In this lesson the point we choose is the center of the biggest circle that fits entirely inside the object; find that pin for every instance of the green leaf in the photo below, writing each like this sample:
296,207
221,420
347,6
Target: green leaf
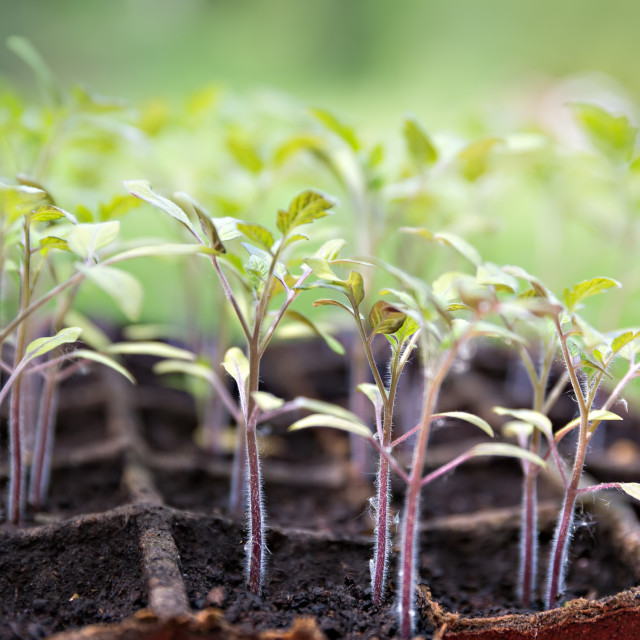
142,189
372,392
489,274
534,418
623,340
420,147
385,318
596,415
332,343
330,250
195,369
465,249
355,285
19,200
587,288
150,348
485,329
105,360
614,136
467,417
324,420
190,205
118,206
40,346
257,233
305,208
325,302
160,250
52,242
32,58
322,269
474,159
85,239
122,287
332,123
328,408
245,154
237,366
506,450
267,401
48,213
631,488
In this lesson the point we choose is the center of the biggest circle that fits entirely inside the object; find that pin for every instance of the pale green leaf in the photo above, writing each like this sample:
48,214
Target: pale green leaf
195,369
105,360
587,288
192,206
534,418
142,189
324,420
322,269
332,123
420,146
319,406
244,153
474,159
372,392
355,285
257,233
492,275
85,239
467,417
305,208
48,213
613,135
330,249
150,348
506,450
52,242
596,415
623,340
124,288
267,401
19,200
237,366
40,346
631,488
160,250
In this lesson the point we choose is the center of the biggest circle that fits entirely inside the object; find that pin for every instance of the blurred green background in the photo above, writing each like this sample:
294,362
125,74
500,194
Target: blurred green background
466,69
447,61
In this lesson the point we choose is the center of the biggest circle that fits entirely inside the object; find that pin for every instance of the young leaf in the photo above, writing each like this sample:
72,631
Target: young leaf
355,285
372,392
492,275
121,286
596,415
305,208
85,239
330,249
142,189
257,233
237,366
245,154
150,348
332,123
19,200
196,369
48,213
40,346
506,450
160,250
324,420
385,318
321,268
189,204
623,340
105,360
631,488
52,242
267,401
420,147
587,288
612,135
310,404
534,418
474,159
467,417
325,302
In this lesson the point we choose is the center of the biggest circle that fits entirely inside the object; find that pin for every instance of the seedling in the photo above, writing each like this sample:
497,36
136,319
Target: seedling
263,276
441,338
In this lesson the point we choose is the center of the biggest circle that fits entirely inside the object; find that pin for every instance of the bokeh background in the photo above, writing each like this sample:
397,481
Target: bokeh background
447,61
466,70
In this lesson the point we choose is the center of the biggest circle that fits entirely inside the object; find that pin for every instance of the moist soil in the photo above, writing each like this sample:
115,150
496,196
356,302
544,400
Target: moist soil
158,522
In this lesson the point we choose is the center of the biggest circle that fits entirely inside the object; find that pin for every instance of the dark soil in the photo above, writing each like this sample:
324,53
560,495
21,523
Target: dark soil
471,571
68,575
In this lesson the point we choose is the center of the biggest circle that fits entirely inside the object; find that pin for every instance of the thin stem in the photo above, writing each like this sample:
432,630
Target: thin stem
229,295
